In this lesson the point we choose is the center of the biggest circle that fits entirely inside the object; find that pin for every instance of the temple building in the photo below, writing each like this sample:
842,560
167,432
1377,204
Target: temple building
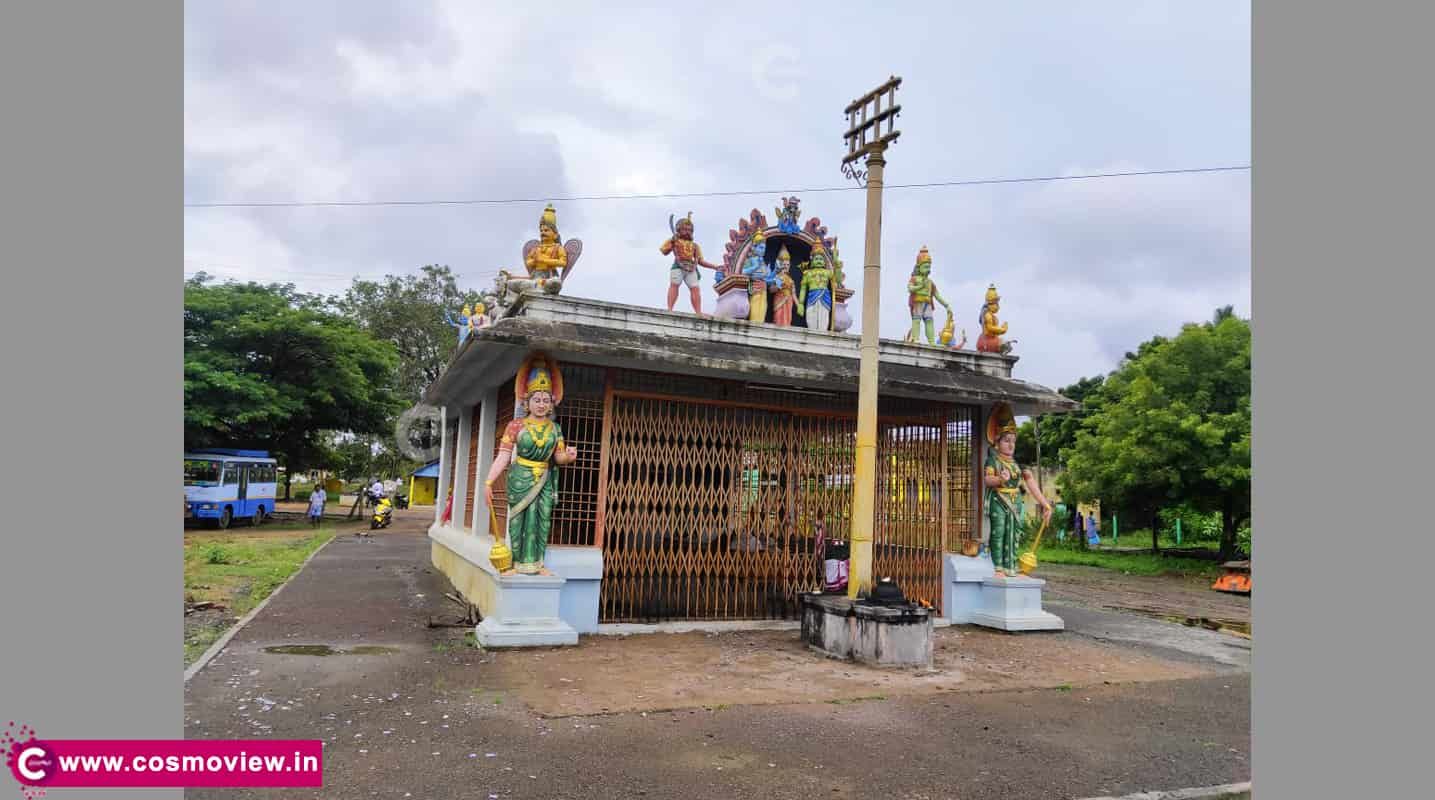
710,451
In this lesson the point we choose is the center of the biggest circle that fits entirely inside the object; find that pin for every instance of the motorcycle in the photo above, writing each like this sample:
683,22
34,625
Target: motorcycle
383,515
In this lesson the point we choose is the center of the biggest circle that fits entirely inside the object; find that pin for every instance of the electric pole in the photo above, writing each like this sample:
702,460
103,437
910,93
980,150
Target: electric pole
865,140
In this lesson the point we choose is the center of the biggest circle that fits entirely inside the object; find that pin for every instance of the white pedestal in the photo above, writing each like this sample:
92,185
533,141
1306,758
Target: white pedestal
962,578
526,614
1013,603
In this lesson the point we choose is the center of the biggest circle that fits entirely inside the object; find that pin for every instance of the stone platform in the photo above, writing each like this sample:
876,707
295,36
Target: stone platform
526,614
973,594
1013,603
899,636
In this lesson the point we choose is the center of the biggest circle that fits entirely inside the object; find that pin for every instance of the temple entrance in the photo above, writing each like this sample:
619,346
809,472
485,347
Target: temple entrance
710,507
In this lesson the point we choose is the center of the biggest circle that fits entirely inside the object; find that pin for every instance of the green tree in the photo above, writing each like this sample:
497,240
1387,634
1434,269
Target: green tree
408,312
1057,431
268,367
1173,424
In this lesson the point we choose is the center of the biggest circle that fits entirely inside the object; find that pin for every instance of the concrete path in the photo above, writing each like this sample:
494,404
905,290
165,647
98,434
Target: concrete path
411,711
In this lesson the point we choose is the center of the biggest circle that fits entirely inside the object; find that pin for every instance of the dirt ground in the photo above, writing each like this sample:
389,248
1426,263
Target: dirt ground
1168,597
656,672
409,710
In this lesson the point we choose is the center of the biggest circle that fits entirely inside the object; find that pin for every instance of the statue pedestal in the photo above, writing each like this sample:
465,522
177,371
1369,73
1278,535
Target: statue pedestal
841,317
962,578
1013,603
525,613
732,302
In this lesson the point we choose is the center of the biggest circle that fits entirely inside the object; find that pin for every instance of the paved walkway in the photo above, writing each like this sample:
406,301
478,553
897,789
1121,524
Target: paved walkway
415,712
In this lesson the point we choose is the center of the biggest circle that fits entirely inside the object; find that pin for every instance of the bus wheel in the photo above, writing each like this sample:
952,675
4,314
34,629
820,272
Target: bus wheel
225,517
258,516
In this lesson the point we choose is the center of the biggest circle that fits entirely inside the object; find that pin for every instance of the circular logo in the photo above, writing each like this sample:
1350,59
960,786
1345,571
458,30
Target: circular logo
417,433
34,763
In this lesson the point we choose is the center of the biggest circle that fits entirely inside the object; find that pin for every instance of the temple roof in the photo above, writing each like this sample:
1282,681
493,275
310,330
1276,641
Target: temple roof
617,335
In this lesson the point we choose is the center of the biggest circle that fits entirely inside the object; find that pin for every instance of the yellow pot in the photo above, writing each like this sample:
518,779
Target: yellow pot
500,556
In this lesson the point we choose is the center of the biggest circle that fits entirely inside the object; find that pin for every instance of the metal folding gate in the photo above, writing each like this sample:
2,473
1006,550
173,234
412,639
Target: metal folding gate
708,506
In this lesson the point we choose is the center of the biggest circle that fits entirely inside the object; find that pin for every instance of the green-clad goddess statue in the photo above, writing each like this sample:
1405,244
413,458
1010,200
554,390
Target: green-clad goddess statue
1004,479
533,446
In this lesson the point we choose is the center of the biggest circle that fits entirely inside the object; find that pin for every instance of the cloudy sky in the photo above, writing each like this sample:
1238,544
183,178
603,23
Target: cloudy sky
438,100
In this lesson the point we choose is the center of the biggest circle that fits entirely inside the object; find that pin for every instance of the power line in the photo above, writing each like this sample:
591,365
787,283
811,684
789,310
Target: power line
207,267
676,195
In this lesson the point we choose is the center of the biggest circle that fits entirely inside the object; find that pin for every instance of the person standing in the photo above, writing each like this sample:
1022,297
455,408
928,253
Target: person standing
1093,537
316,505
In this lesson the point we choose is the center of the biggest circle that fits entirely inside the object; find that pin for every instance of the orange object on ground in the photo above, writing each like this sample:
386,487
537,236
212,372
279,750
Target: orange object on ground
1237,579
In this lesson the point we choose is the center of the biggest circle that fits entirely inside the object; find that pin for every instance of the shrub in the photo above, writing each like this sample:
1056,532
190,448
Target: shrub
1060,521
216,554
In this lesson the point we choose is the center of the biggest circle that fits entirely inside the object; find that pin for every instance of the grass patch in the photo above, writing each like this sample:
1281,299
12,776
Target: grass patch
238,569
1064,687
199,640
1133,563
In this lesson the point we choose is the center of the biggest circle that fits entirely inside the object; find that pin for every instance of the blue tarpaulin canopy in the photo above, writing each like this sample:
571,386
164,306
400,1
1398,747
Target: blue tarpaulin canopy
429,470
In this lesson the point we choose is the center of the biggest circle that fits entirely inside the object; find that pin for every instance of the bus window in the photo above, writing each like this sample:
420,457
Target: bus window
201,473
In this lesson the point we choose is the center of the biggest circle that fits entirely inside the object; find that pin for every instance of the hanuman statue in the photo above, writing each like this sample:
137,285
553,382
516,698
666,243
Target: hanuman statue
921,291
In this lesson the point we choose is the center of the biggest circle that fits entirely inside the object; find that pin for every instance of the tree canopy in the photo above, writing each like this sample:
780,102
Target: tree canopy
1172,424
268,367
408,312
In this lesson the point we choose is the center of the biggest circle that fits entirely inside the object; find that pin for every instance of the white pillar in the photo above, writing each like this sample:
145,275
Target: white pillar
444,465
487,419
460,466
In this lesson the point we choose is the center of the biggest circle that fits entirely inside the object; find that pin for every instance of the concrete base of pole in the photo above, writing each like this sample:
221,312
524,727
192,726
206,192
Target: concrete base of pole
888,636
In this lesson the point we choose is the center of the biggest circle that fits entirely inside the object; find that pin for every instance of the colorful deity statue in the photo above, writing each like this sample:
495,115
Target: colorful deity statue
815,294
687,257
783,292
464,322
921,291
534,448
1004,480
990,340
787,215
946,336
758,274
548,259
479,320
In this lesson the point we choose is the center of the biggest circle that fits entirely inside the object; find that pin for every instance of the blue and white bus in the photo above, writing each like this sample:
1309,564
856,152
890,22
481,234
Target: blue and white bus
222,485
